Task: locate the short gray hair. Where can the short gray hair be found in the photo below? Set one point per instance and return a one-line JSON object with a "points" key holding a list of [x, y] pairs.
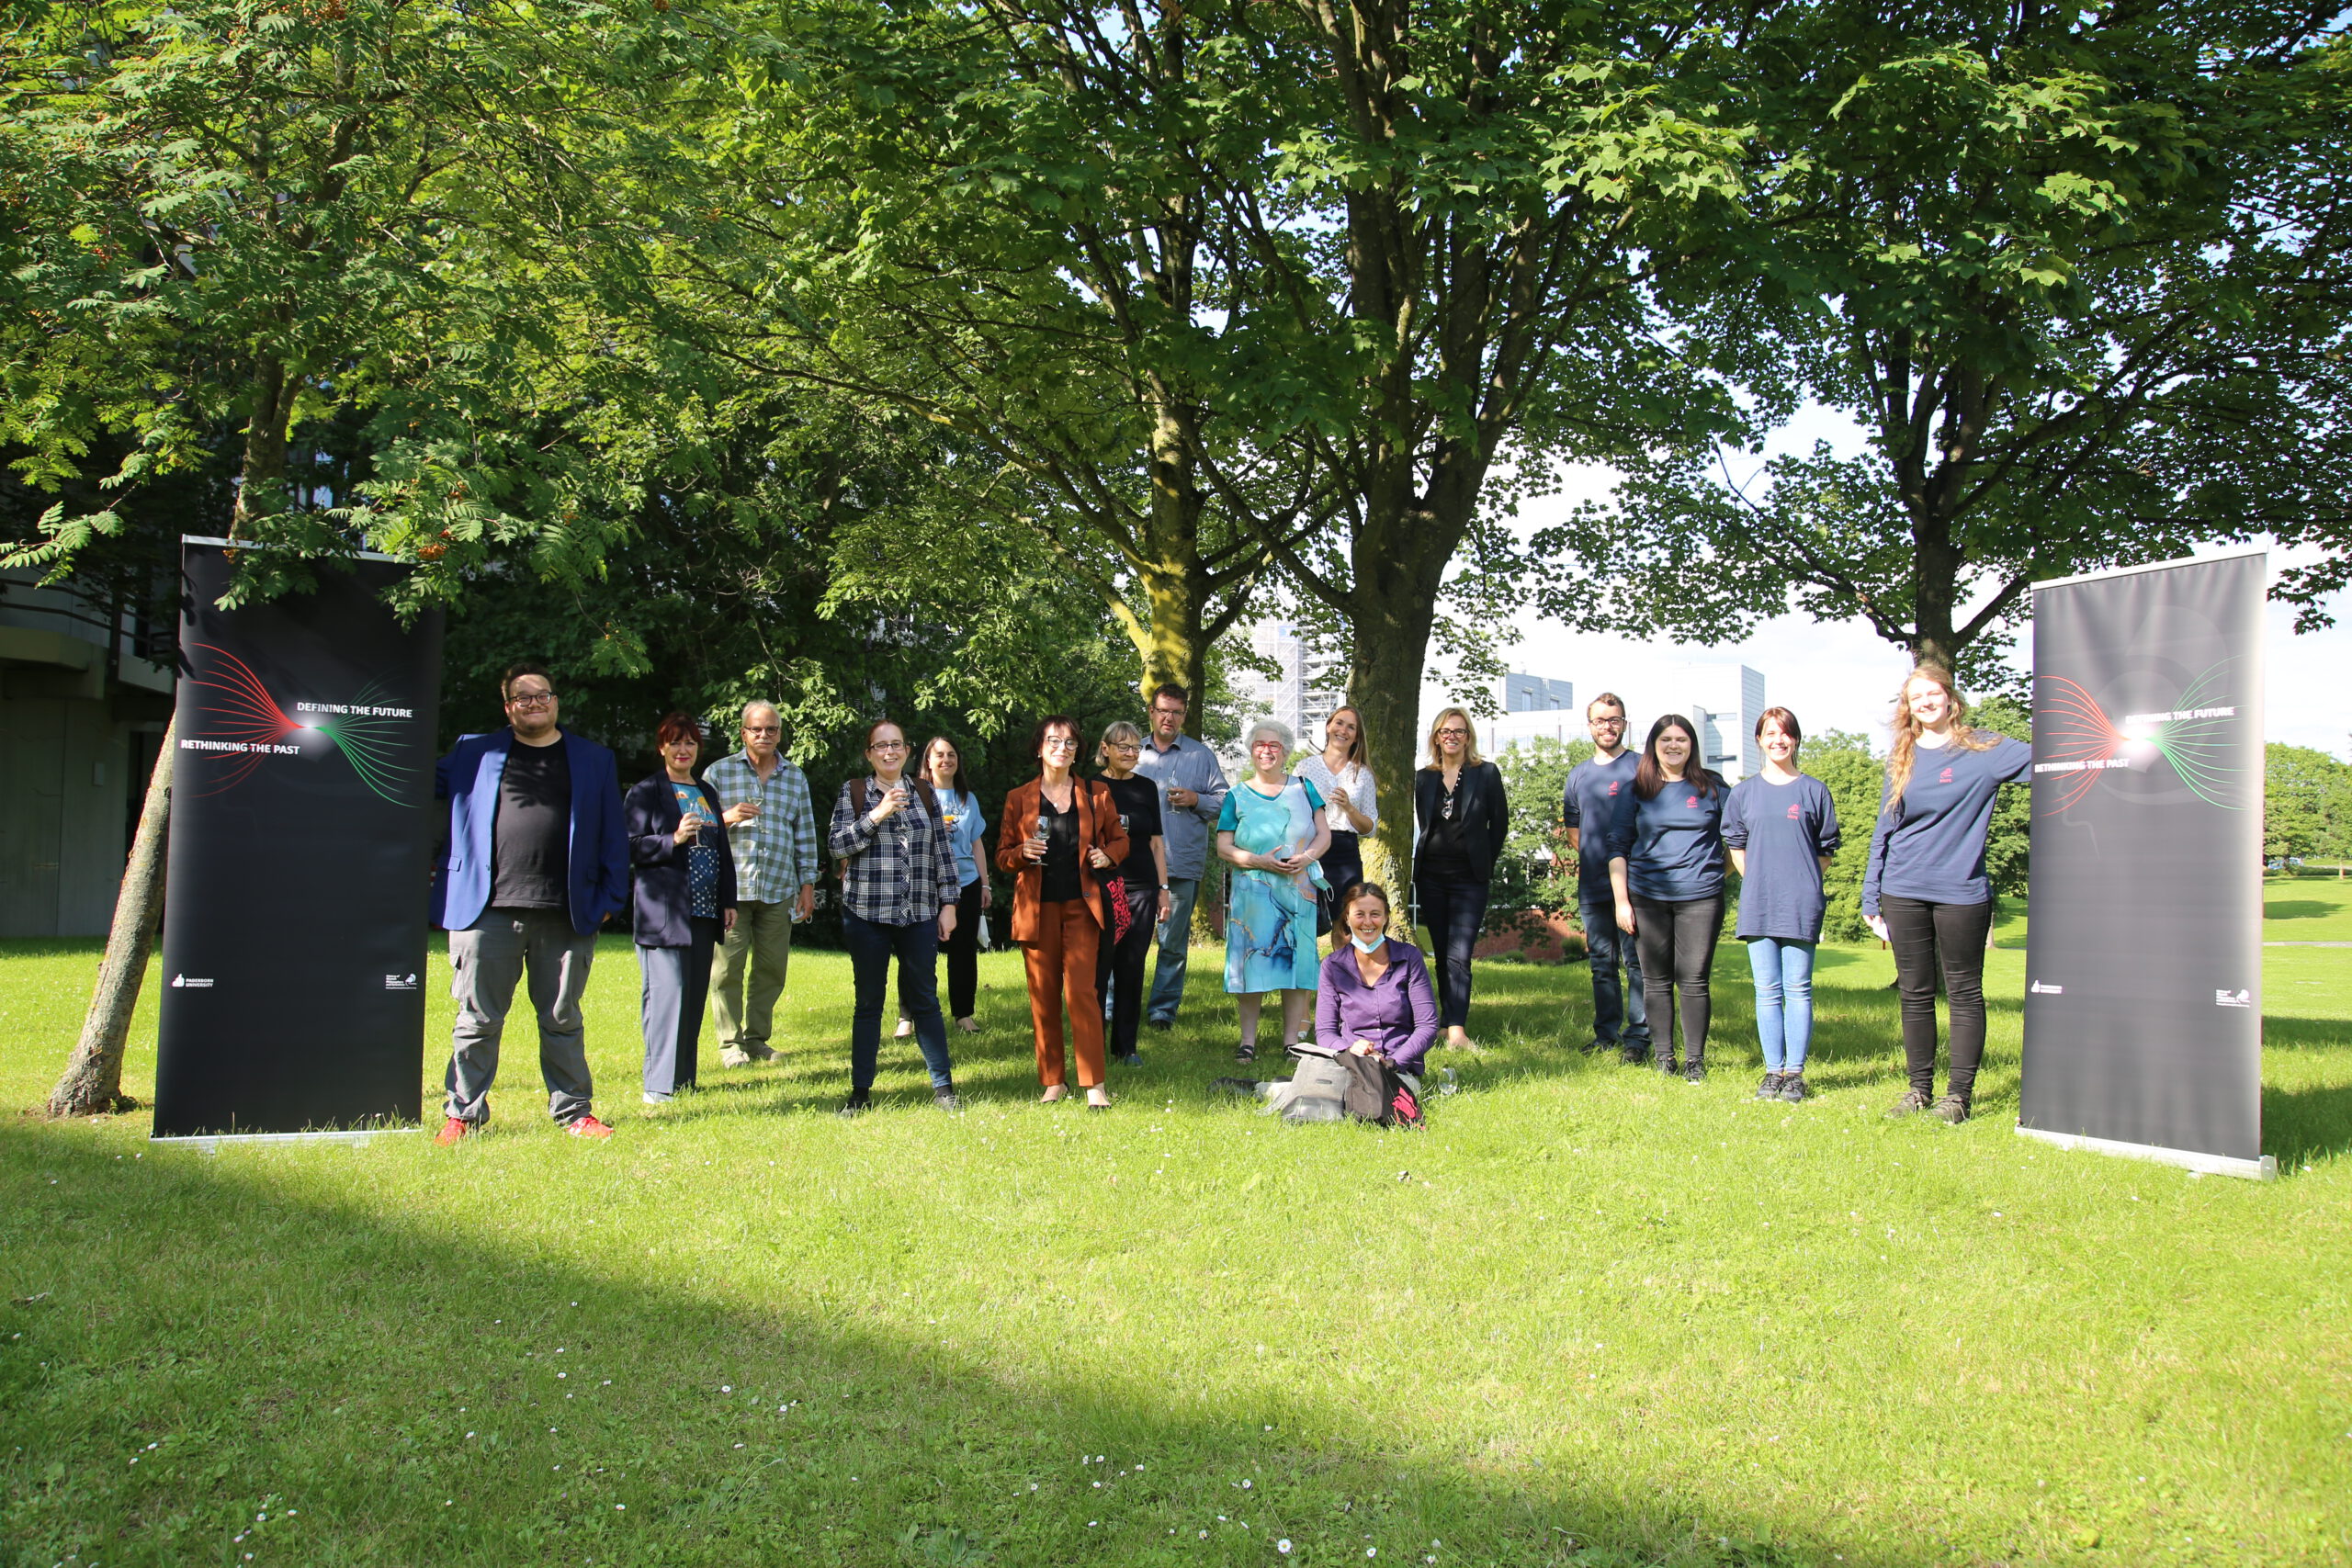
{"points": [[1274, 727], [761, 704], [1117, 729]]}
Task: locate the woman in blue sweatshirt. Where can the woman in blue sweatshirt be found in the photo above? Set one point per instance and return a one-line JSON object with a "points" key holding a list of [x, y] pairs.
{"points": [[1666, 869], [1924, 891], [1783, 830]]}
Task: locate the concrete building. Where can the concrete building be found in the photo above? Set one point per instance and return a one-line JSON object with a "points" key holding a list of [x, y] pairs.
{"points": [[1724, 701], [1534, 707], [81, 717]]}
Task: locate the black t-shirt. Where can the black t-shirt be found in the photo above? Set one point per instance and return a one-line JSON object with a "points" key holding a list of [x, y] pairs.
{"points": [[1442, 852], [531, 838], [1137, 800], [1061, 851]]}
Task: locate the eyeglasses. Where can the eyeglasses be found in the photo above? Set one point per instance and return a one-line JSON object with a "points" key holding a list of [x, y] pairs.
{"points": [[763, 729], [1609, 723], [1457, 734], [887, 746], [1269, 746], [1126, 746], [1061, 742], [531, 699]]}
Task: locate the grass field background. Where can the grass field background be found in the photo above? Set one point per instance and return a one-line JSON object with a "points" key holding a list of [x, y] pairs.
{"points": [[1588, 1318]]}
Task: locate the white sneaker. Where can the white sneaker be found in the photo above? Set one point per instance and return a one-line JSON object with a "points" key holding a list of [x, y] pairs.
{"points": [[657, 1099], [906, 1027]]}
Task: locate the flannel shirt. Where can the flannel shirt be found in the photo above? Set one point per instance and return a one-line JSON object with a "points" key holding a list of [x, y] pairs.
{"points": [[893, 873], [776, 853]]}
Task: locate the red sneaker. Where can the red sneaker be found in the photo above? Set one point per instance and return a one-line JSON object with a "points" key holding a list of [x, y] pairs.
{"points": [[451, 1131], [588, 1127]]}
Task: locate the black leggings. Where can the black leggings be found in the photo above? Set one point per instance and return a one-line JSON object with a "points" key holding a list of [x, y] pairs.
{"points": [[1121, 963], [1676, 940], [962, 951], [1919, 932]]}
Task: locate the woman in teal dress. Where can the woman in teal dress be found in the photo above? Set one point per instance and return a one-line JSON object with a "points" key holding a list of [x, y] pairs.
{"points": [[1272, 830]]}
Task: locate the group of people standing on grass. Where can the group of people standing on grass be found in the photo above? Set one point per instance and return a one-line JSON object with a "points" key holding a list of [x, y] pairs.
{"points": [[715, 868]]}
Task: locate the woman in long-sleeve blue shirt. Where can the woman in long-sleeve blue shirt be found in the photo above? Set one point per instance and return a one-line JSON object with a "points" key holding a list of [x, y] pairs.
{"points": [[1666, 869], [1925, 892]]}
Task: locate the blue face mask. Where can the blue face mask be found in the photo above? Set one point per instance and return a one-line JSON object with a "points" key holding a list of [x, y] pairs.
{"points": [[1373, 945]]}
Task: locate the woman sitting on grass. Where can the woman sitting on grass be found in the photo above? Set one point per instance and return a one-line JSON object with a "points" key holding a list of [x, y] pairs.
{"points": [[1375, 999]]}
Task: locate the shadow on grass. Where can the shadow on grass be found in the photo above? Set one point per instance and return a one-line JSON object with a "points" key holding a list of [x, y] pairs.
{"points": [[396, 1382], [2304, 1124], [2299, 909]]}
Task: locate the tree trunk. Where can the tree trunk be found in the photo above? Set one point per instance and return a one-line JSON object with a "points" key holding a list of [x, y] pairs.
{"points": [[261, 478], [1173, 642], [1398, 568], [93, 1082]]}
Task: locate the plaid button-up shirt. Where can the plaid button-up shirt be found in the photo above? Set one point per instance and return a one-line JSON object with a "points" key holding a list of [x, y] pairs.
{"points": [[898, 872], [776, 853]]}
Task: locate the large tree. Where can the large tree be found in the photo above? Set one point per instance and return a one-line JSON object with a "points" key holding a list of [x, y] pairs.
{"points": [[2076, 277]]}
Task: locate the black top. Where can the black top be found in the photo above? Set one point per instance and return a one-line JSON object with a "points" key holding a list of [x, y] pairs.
{"points": [[1481, 819], [531, 837], [1061, 883], [1137, 800]]}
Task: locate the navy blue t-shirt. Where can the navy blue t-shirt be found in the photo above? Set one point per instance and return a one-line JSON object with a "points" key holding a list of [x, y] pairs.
{"points": [[1672, 843], [1598, 794], [1932, 846], [1784, 830]]}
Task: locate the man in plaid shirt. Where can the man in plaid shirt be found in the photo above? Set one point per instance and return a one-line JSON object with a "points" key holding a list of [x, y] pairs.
{"points": [[772, 830]]}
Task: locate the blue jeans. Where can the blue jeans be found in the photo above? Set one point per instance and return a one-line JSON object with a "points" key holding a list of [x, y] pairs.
{"points": [[871, 946], [1620, 1017], [1175, 950], [1782, 970]]}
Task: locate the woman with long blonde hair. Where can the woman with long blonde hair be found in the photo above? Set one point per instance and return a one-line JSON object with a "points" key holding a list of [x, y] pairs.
{"points": [[1350, 805], [1925, 892], [1459, 804]]}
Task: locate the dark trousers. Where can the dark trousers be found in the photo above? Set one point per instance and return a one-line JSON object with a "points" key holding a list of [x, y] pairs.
{"points": [[1621, 1014], [871, 946], [1453, 909], [1676, 940], [1342, 868], [1920, 934], [962, 951], [670, 1006], [1118, 968]]}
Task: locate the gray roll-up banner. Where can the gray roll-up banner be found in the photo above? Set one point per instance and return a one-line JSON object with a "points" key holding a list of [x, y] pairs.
{"points": [[2143, 968]]}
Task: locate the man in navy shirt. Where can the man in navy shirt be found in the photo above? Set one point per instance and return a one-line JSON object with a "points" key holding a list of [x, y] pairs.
{"points": [[1600, 794]]}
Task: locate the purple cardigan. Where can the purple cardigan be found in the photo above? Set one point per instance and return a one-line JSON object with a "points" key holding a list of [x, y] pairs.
{"points": [[1399, 1015]]}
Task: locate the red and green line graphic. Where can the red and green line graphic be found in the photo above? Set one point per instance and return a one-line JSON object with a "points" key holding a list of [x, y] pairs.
{"points": [[2081, 740], [241, 725]]}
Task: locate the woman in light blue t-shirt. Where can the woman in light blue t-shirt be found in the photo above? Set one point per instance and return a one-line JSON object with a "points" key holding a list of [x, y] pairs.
{"points": [[959, 808]]}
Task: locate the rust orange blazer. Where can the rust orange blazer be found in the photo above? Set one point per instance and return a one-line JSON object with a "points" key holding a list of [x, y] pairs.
{"points": [[1098, 829]]}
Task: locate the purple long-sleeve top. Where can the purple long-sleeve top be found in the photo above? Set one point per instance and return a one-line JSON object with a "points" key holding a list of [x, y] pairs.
{"points": [[1399, 1015]]}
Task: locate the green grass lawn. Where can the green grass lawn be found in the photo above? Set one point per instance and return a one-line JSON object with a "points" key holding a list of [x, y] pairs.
{"points": [[1588, 1317]]}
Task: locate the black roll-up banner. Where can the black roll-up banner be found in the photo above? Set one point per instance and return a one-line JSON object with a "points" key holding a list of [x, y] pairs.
{"points": [[294, 930], [2144, 988]]}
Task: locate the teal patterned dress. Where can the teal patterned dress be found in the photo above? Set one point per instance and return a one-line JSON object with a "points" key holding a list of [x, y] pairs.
{"points": [[1269, 920]]}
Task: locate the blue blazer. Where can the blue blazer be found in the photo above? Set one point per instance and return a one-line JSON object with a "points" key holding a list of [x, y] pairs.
{"points": [[664, 906], [468, 779]]}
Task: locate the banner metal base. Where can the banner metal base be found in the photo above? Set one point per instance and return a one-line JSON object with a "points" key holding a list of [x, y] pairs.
{"points": [[2263, 1169], [209, 1143]]}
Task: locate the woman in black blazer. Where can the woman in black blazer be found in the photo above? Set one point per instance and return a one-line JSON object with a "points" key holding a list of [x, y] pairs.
{"points": [[1458, 801], [684, 899]]}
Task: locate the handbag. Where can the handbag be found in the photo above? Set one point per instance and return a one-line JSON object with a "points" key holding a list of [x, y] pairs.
{"points": [[1123, 914]]}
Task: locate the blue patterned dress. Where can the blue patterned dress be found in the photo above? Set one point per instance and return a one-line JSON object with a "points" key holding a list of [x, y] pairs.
{"points": [[1269, 920]]}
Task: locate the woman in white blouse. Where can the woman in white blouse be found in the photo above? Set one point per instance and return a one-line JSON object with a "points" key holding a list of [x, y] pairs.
{"points": [[1352, 806]]}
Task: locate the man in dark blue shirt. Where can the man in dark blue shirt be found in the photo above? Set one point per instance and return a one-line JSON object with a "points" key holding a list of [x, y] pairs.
{"points": [[1600, 794]]}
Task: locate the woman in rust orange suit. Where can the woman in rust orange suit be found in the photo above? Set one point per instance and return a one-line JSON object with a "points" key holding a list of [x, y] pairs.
{"points": [[1056, 833]]}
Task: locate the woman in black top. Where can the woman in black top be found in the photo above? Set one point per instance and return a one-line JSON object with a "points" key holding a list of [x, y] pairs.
{"points": [[1458, 801], [1119, 967]]}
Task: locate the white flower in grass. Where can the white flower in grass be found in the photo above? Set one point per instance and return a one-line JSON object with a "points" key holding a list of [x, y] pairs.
{"points": [[1283, 1546]]}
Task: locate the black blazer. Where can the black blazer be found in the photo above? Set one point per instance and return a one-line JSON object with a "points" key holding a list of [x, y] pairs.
{"points": [[1486, 814], [662, 907]]}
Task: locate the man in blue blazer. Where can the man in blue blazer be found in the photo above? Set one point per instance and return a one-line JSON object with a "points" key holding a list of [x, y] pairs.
{"points": [[536, 859]]}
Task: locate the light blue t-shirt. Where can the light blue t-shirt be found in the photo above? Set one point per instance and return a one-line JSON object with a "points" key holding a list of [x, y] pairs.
{"points": [[960, 810]]}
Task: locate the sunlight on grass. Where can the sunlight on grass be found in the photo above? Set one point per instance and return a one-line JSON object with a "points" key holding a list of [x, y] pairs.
{"points": [[1591, 1316]]}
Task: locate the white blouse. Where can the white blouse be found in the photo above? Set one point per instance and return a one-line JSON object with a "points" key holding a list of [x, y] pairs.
{"points": [[1355, 778]]}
